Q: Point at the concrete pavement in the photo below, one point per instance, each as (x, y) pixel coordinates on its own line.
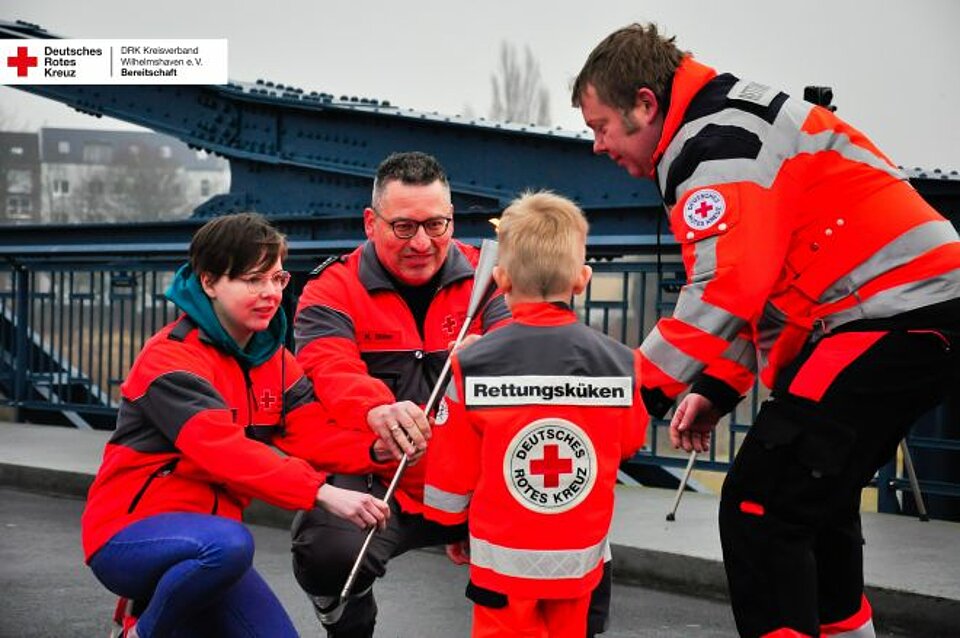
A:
(912, 568)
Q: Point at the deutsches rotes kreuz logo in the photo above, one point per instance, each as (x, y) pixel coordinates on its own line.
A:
(550, 466)
(704, 209)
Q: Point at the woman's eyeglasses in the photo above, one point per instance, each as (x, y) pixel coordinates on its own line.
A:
(256, 284)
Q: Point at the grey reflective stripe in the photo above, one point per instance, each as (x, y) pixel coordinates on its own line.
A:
(675, 362)
(445, 501)
(315, 322)
(727, 117)
(529, 563)
(769, 327)
(704, 259)
(692, 309)
(840, 142)
(898, 252)
(782, 141)
(743, 352)
(893, 301)
(452, 393)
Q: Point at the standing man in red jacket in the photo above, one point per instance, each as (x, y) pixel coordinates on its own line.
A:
(372, 331)
(810, 258)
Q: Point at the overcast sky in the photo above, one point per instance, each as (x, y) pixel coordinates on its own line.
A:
(894, 65)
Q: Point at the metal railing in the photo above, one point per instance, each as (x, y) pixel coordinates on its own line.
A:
(70, 328)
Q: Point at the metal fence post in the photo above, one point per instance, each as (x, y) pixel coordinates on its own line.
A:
(21, 353)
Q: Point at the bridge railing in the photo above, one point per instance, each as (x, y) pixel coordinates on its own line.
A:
(70, 329)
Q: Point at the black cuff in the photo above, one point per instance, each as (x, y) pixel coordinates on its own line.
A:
(722, 395)
(373, 455)
(656, 402)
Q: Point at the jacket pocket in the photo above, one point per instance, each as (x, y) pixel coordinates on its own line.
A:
(164, 470)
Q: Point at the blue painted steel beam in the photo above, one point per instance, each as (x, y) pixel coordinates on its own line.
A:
(299, 153)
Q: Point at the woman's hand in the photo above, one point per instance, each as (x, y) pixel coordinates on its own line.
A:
(361, 509)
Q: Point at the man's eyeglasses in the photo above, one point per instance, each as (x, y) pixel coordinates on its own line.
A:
(256, 284)
(407, 228)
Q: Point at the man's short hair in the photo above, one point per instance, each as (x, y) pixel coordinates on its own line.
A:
(542, 243)
(236, 244)
(412, 168)
(628, 59)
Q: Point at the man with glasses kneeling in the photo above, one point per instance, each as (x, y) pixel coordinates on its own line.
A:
(372, 331)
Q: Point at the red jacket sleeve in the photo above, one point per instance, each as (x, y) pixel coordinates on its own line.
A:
(454, 462)
(309, 432)
(732, 259)
(327, 350)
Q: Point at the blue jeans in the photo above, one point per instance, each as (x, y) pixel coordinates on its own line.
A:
(196, 571)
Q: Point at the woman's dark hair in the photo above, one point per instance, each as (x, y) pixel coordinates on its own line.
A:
(232, 245)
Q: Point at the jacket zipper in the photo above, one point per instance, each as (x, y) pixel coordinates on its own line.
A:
(163, 470)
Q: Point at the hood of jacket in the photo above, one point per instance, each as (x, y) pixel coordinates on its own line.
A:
(187, 293)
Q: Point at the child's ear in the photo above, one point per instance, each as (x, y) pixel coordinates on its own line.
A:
(502, 279)
(583, 278)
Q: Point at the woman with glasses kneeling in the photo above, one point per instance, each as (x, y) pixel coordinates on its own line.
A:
(203, 400)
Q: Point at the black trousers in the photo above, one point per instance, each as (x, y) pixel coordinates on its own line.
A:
(325, 547)
(789, 511)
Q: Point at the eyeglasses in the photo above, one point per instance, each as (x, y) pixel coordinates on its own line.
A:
(408, 228)
(257, 284)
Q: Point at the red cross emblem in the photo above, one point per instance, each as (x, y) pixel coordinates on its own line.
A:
(551, 466)
(449, 325)
(22, 61)
(267, 399)
(703, 209)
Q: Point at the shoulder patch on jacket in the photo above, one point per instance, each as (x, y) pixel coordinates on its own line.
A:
(326, 263)
(747, 91)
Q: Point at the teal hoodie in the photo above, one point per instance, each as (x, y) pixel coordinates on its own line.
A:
(186, 292)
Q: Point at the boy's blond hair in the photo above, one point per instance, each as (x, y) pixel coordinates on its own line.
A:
(542, 243)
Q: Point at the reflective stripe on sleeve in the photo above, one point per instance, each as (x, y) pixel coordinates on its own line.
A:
(742, 352)
(672, 360)
(445, 501)
(692, 309)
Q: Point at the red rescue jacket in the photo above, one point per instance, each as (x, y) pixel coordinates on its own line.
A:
(359, 342)
(791, 224)
(538, 416)
(192, 431)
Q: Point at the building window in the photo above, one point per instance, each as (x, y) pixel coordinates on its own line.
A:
(19, 205)
(19, 181)
(165, 152)
(97, 153)
(205, 187)
(16, 150)
(61, 187)
(63, 147)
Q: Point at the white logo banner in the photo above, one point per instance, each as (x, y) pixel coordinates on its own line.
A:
(549, 390)
(113, 61)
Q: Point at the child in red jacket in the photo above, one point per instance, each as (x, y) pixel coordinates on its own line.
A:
(536, 420)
